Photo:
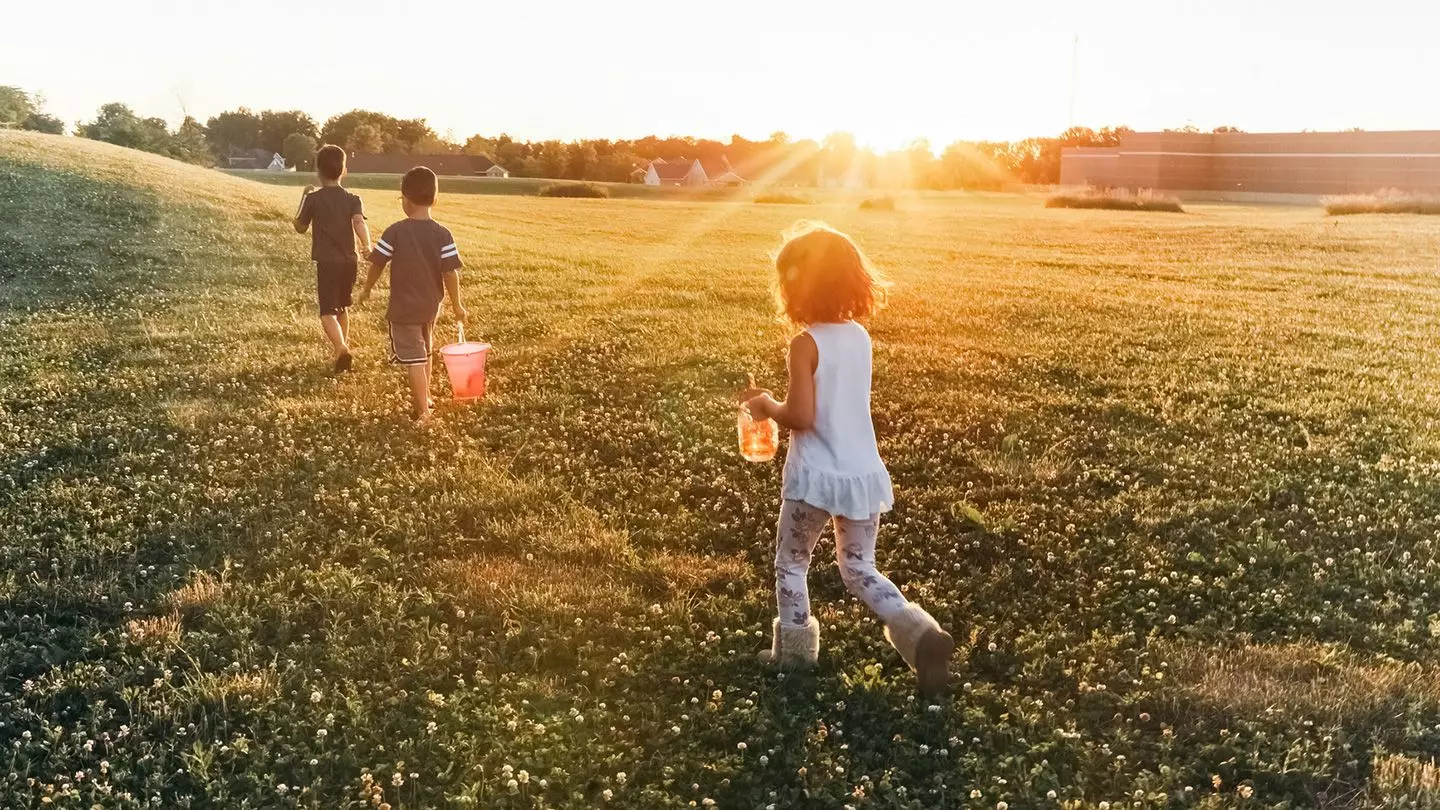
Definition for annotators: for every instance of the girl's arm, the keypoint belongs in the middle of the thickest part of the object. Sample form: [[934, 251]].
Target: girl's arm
[[797, 411]]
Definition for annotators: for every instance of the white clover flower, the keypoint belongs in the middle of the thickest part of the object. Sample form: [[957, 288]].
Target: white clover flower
[[316, 697], [608, 794], [741, 746], [512, 786]]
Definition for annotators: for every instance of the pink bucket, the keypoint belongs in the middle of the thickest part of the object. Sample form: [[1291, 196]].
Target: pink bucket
[[465, 366]]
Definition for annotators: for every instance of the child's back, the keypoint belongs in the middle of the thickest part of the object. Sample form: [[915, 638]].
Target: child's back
[[330, 212], [420, 252]]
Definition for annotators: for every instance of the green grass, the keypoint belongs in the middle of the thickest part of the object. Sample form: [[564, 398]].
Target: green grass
[[1125, 447]]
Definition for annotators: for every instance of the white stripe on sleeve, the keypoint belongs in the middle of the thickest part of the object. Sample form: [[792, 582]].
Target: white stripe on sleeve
[[381, 247]]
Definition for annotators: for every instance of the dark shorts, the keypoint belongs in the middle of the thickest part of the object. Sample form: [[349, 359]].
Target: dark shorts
[[410, 343], [334, 282]]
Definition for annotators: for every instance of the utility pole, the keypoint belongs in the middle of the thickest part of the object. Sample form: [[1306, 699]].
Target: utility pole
[[1074, 76]]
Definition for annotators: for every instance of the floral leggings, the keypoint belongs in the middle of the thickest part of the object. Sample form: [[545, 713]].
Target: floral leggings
[[799, 529]]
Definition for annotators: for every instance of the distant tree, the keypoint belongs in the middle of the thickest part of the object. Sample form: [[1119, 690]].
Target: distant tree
[[1189, 129], [582, 159], [411, 135], [365, 139], [838, 156], [299, 151], [41, 122], [478, 145], [778, 138], [189, 142], [920, 163], [233, 131], [1112, 136], [278, 125], [1225, 129], [972, 166], [511, 154], [118, 124], [340, 129], [16, 107], [553, 159]]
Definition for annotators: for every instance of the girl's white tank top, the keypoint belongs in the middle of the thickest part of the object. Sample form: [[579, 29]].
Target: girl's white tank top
[[836, 464]]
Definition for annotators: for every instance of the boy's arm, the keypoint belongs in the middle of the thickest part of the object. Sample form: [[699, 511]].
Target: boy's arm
[[357, 224], [379, 257], [450, 265], [303, 216], [452, 289], [377, 269], [362, 232]]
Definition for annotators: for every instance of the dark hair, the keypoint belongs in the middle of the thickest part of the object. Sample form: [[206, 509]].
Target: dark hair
[[330, 162], [419, 185], [822, 277]]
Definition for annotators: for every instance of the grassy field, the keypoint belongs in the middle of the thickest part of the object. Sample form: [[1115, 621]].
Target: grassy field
[[1172, 477]]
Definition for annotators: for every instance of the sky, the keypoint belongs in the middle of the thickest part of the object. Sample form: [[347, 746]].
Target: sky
[[887, 72]]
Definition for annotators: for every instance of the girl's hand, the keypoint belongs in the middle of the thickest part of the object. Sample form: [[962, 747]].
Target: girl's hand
[[760, 407]]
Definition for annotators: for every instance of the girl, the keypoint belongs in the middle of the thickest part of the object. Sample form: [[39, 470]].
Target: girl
[[833, 472]]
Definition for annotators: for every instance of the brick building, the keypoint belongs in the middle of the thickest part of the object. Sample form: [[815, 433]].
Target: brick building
[[1242, 164]]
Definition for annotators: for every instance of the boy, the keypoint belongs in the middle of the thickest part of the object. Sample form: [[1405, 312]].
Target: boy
[[339, 220], [424, 268]]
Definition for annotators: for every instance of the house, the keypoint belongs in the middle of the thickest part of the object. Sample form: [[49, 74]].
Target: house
[[724, 174], [679, 172], [253, 159], [448, 165]]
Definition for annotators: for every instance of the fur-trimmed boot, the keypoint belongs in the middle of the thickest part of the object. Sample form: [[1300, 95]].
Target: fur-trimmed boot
[[793, 647], [924, 645]]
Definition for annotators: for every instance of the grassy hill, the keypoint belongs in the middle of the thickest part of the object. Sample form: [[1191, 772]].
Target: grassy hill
[[1173, 476]]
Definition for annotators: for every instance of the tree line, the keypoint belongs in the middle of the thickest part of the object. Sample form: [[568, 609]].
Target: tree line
[[834, 160]]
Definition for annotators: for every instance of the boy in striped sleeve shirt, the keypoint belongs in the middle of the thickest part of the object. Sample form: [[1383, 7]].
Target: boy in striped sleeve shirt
[[424, 267]]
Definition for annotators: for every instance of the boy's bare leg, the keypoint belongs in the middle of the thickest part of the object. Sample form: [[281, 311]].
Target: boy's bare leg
[[419, 390], [344, 320], [335, 333]]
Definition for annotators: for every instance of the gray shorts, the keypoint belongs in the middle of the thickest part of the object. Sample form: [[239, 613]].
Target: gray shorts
[[410, 343]]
